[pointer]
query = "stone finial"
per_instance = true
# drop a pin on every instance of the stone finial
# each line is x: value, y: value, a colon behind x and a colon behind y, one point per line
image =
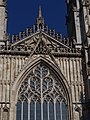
x: 40, y: 12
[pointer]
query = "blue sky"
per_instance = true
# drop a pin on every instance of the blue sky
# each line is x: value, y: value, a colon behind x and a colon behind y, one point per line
x: 23, y: 14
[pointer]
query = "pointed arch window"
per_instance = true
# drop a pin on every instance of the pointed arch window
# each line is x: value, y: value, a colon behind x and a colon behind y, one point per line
x: 41, y: 96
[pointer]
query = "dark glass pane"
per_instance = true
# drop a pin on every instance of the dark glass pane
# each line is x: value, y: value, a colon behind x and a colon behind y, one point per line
x: 38, y: 111
x: 32, y: 111
x: 57, y: 111
x: 25, y: 111
x: 51, y: 111
x: 64, y: 111
x: 45, y: 112
x: 19, y: 110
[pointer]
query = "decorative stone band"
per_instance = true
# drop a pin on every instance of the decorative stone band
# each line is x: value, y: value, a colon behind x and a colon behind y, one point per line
x: 28, y: 49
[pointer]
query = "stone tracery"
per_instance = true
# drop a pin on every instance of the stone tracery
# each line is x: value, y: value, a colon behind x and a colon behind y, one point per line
x: 41, y: 87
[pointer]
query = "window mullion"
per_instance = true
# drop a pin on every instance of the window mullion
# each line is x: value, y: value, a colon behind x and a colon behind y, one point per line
x: 48, y: 109
x: 35, y: 111
x: 54, y: 110
x: 41, y: 110
x: 60, y: 110
x: 22, y: 111
x: 28, y: 110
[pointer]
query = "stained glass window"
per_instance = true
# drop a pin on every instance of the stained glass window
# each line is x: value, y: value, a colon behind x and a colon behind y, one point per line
x: 51, y: 111
x: 32, y: 111
x: 38, y: 111
x: 41, y: 97
x: 19, y: 110
x: 64, y: 109
x: 58, y: 111
x: 25, y: 110
x: 45, y: 111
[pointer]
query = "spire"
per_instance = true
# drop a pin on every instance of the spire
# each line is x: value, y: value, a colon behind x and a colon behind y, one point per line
x: 40, y: 20
x: 40, y: 12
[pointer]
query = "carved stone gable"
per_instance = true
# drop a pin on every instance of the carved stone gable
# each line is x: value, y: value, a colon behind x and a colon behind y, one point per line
x: 39, y: 43
x: 41, y: 49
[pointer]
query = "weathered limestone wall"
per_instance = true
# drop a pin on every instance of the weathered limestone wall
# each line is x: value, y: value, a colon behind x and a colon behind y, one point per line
x: 10, y: 67
x: 72, y: 70
x: 70, y: 67
x: 3, y: 19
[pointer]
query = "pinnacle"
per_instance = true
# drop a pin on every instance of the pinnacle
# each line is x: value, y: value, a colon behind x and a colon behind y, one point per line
x: 40, y: 12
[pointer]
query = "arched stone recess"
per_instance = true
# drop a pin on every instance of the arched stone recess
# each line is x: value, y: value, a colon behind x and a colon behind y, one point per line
x: 25, y: 73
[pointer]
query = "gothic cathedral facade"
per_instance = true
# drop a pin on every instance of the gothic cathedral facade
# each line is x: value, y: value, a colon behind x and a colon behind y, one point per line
x: 44, y: 76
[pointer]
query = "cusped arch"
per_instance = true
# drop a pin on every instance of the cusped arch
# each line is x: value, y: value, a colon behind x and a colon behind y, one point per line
x: 56, y: 70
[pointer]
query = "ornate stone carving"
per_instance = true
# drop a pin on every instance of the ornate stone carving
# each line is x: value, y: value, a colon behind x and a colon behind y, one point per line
x: 41, y: 83
x: 87, y: 2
